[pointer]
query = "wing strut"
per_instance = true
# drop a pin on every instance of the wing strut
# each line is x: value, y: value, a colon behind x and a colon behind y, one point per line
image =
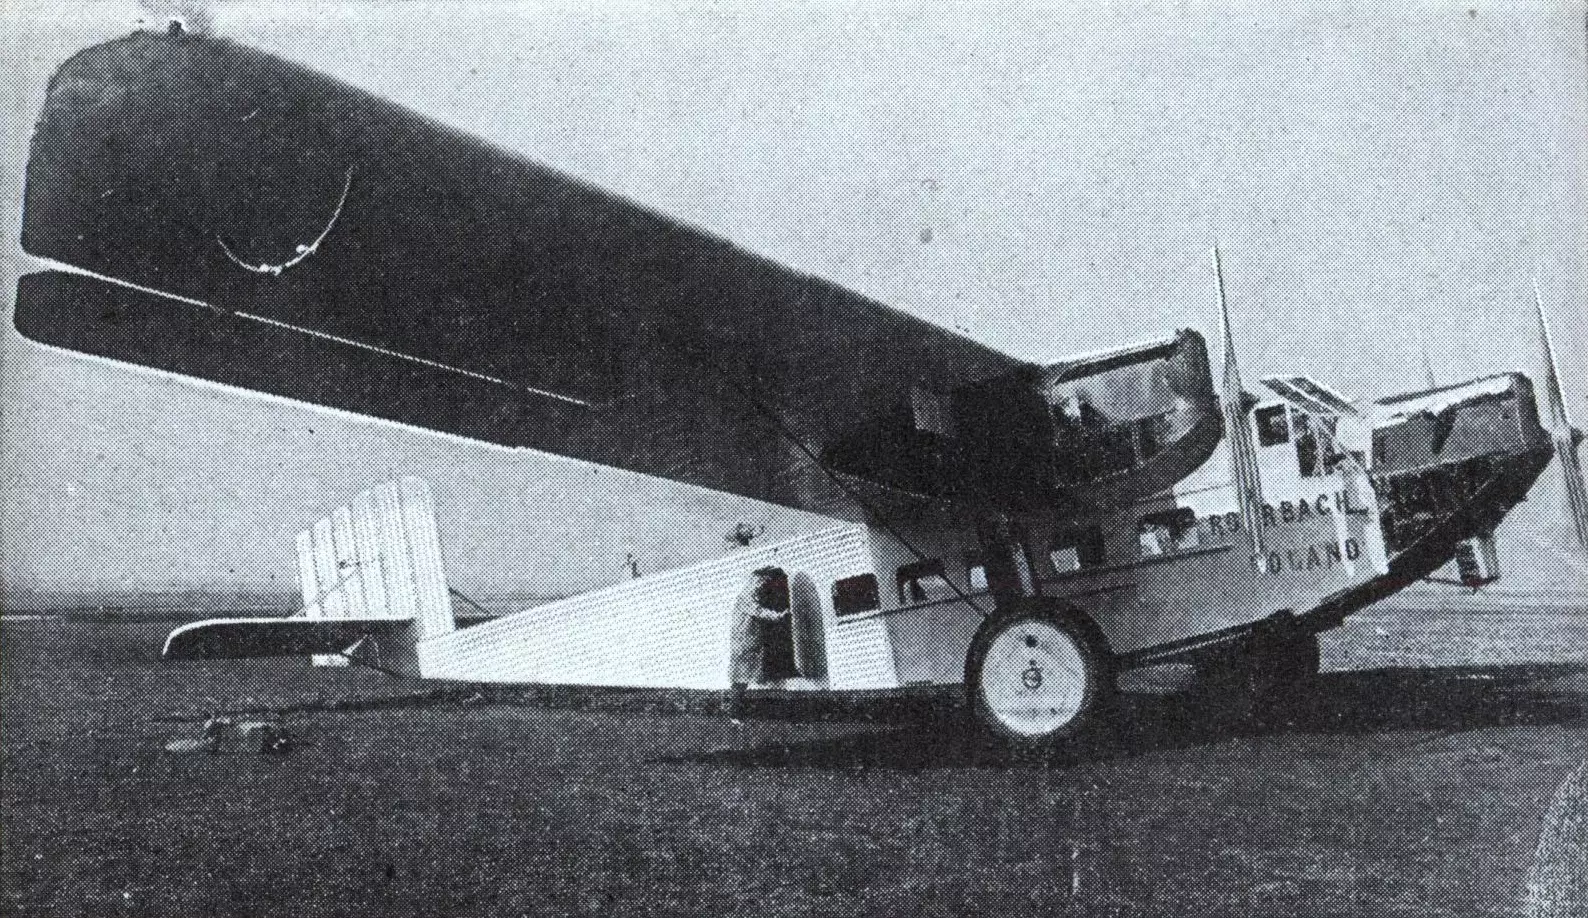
x: 1243, y: 455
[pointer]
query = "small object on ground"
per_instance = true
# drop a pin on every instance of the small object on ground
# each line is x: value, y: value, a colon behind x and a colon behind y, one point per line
x: 189, y: 746
x: 263, y: 737
x: 474, y: 699
x: 218, y: 733
x: 222, y: 734
x: 215, y: 733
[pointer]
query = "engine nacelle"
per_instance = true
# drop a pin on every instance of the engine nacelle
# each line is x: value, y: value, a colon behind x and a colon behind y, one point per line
x: 1096, y: 430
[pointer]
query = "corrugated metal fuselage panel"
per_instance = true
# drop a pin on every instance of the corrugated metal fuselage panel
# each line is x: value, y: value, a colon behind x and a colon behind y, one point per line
x: 668, y: 630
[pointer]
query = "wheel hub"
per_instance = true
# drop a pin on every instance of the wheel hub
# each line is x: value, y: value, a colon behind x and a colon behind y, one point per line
x: 1034, y: 678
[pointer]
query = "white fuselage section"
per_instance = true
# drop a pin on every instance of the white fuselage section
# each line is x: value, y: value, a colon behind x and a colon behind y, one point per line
x: 897, y: 606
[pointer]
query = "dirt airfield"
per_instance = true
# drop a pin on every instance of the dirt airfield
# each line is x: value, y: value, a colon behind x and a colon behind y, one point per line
x: 1414, y: 782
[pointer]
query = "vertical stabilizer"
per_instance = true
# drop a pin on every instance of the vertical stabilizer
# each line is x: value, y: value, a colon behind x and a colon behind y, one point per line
x: 423, y: 539
x: 379, y: 558
x: 1559, y: 423
x: 374, y: 588
x: 1238, y: 434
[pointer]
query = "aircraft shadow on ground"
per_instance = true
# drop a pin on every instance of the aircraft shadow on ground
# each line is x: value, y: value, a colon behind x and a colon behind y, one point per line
x: 931, y: 733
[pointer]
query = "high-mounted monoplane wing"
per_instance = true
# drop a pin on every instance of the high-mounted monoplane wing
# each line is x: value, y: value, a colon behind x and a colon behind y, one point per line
x: 254, y: 223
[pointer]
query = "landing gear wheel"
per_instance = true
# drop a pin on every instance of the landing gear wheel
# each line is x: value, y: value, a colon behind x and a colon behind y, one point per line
x: 1035, y: 678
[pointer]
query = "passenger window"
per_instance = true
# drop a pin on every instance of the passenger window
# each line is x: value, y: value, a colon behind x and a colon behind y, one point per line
x: 1313, y: 455
x: 1168, y: 531
x: 1076, y: 547
x: 923, y: 581
x: 975, y: 571
x: 857, y: 594
x: 1307, y: 455
x: 1273, y: 428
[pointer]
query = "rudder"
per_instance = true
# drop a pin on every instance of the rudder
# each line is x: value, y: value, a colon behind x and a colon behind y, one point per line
x: 379, y: 558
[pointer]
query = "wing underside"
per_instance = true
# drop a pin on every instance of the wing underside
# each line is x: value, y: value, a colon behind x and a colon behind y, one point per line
x: 237, y: 218
x: 330, y: 246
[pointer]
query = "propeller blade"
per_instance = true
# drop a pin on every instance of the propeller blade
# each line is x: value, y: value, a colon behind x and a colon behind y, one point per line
x: 1566, y: 437
x: 1576, y: 490
x: 1243, y: 454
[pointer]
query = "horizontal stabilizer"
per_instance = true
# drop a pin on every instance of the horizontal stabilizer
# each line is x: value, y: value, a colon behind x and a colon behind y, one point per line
x: 236, y: 638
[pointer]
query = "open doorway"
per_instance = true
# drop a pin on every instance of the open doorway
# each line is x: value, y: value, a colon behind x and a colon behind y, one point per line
x: 777, y: 634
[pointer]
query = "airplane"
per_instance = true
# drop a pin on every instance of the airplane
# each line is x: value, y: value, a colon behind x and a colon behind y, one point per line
x: 1023, y: 530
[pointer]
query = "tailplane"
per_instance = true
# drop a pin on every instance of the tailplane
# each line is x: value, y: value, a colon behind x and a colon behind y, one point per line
x: 373, y: 585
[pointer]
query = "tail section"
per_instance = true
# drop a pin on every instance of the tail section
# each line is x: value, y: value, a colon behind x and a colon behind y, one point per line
x: 378, y: 558
x: 373, y: 585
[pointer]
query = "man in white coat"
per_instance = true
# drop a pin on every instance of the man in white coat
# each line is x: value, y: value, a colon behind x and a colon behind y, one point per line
x: 760, y: 607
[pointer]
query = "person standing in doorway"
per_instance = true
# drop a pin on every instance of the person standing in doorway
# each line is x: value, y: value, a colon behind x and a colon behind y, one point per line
x: 757, y: 613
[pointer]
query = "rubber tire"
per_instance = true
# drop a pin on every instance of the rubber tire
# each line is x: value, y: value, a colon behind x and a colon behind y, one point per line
x: 1096, y: 662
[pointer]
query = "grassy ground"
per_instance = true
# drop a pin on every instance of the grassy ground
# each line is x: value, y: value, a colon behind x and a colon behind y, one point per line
x: 1396, y: 789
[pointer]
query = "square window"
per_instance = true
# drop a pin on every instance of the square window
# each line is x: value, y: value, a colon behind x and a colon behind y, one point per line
x: 923, y: 581
x: 1273, y: 427
x: 1168, y: 531
x: 975, y: 571
x: 857, y: 594
x: 1075, y: 547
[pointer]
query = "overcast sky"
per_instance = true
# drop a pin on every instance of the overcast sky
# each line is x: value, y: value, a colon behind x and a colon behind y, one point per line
x: 1047, y: 178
